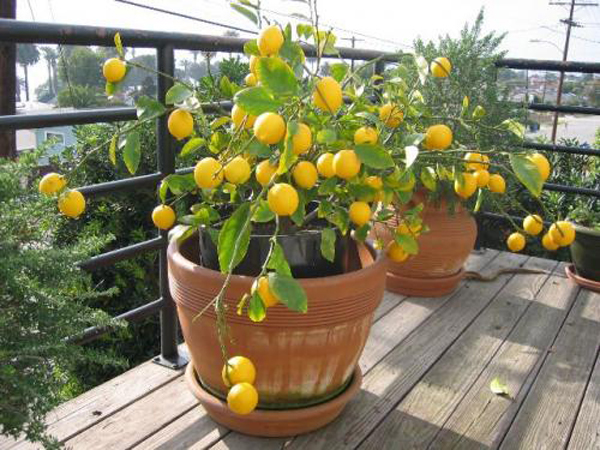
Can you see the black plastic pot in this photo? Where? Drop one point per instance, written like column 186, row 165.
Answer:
column 302, row 250
column 585, row 253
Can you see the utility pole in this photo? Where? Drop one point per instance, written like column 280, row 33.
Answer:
column 570, row 23
column 8, row 82
column 353, row 41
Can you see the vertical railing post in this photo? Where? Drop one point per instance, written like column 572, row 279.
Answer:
column 169, row 354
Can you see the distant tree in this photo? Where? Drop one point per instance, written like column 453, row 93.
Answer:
column 27, row 55
column 78, row 96
column 82, row 66
column 234, row 69
column 50, row 55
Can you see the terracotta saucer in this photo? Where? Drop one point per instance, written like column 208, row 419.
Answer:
column 273, row 423
column 423, row 287
column 583, row 282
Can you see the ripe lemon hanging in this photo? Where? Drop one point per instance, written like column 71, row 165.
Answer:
column 71, row 204
column 365, row 135
column 283, row 199
column 242, row 398
column 114, row 70
column 302, row 140
column 238, row 369
column 533, row 224
column 327, row 95
column 261, row 286
column 238, row 115
column 515, row 242
column 270, row 40
column 548, row 243
column 163, row 217
column 497, row 184
column 180, row 124
column 305, row 174
column 253, row 63
column 208, row 173
column 542, row 164
column 482, row 177
column 264, row 172
column 391, row 115
column 440, row 67
column 237, row 171
column 438, row 137
column 360, row 213
column 346, row 164
column 325, row 165
column 396, row 253
column 269, row 128
column 51, row 183
column 467, row 187
column 250, row 80
column 562, row 233
column 474, row 161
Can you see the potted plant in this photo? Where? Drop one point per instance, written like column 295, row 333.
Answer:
column 585, row 249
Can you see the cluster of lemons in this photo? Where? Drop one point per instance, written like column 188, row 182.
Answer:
column 238, row 375
column 71, row 202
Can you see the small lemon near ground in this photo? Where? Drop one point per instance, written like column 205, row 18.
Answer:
column 237, row 171
column 441, row 67
column 548, row 243
column 365, row 135
column 242, row 398
column 238, row 369
column 562, row 232
column 264, row 172
column 270, row 40
column 71, row 204
column 515, row 242
column 250, row 80
column 396, row 253
column 542, row 164
column 261, row 286
column 269, row 128
column 283, row 199
column 208, row 173
column 51, row 183
column 360, row 213
column 391, row 115
column 497, row 184
column 346, row 164
column 533, row 224
column 114, row 70
column 305, row 174
column 163, row 217
column 325, row 165
column 327, row 95
column 238, row 115
column 180, row 124
column 467, row 187
column 438, row 137
column 302, row 140
column 482, row 177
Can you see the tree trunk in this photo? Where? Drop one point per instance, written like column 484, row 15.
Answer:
column 26, row 83
column 8, row 85
column 50, row 84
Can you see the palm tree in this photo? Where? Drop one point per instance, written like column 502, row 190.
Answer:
column 51, row 56
column 27, row 55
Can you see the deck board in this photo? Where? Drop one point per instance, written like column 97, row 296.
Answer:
column 427, row 367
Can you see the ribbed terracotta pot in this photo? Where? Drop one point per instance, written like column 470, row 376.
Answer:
column 438, row 267
column 301, row 359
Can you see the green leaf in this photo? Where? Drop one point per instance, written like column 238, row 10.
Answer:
column 256, row 100
column 527, row 173
column 251, row 48
column 163, row 190
column 245, row 12
column 514, row 127
column 119, row 45
column 112, row 150
column 478, row 112
column 110, row 88
column 328, row 186
column 327, row 136
column 422, row 68
column 339, row 71
column 361, row 233
column 259, row 149
column 288, row 157
column 428, row 178
column 180, row 184
column 177, row 93
column 147, row 108
column 256, row 308
column 328, row 244
column 263, row 213
column 408, row 243
column 292, row 52
column 234, row 231
column 498, row 387
column 288, row 291
column 479, row 201
column 374, row 156
column 278, row 261
column 226, row 87
column 131, row 152
column 298, row 216
column 465, row 106
column 277, row 77
column 219, row 122
column 192, row 145
column 411, row 152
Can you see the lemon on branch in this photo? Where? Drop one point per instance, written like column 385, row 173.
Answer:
column 114, row 70
column 238, row 369
column 237, row 171
column 180, row 124
column 51, row 183
column 328, row 95
column 269, row 128
column 305, row 174
column 441, row 67
column 71, row 204
column 208, row 173
column 283, row 199
column 163, row 217
column 270, row 40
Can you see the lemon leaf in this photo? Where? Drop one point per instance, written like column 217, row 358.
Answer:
column 428, row 178
column 256, row 100
column 148, row 108
column 263, row 213
column 288, row 291
column 328, row 238
column 226, row 87
column 110, row 89
column 527, row 173
column 112, row 150
column 234, row 232
column 131, row 153
column 119, row 45
column 251, row 48
column 327, row 136
column 256, row 308
column 245, row 12
column 278, row 261
column 192, row 145
column 277, row 77
column 177, row 93
column 516, row 128
column 339, row 71
column 407, row 242
column 498, row 387
column 374, row 156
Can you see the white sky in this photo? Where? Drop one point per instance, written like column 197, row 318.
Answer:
column 398, row 22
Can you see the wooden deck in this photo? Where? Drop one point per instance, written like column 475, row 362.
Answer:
column 427, row 369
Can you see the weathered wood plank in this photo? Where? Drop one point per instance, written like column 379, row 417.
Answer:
column 586, row 434
column 548, row 413
column 389, row 302
column 102, row 401
column 391, row 379
column 434, row 398
column 237, row 441
column 140, row 420
column 482, row 416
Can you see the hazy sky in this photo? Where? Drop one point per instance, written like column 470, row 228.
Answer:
column 382, row 24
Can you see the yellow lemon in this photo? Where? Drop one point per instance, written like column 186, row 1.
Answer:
column 562, row 232
column 467, row 187
column 533, row 224
column 438, row 137
column 269, row 128
column 238, row 369
column 327, row 95
column 365, row 135
column 237, row 171
column 253, row 62
column 440, row 67
column 474, row 161
column 270, row 40
column 497, row 184
column 515, row 242
column 283, row 199
column 242, row 398
column 163, row 217
column 262, row 286
column 71, row 204
column 482, row 177
column 412, row 229
column 542, row 164
column 208, row 173
column 238, row 115
column 51, row 183
column 396, row 253
column 346, row 164
column 180, row 124
column 305, row 174
column 114, row 70
column 325, row 165
column 250, row 80
column 264, row 172
column 548, row 243
column 391, row 115
column 302, row 140
column 360, row 213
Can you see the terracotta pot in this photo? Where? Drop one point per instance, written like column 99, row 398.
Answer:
column 301, row 359
column 443, row 250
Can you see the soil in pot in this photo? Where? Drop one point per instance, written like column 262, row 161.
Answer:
column 585, row 253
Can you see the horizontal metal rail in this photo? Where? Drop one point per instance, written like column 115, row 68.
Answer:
column 572, row 189
column 121, row 185
column 564, row 109
column 561, row 148
column 108, row 258
column 550, row 65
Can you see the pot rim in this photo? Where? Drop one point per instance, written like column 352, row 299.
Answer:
column 586, row 230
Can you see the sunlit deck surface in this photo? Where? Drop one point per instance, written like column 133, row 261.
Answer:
column 428, row 365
